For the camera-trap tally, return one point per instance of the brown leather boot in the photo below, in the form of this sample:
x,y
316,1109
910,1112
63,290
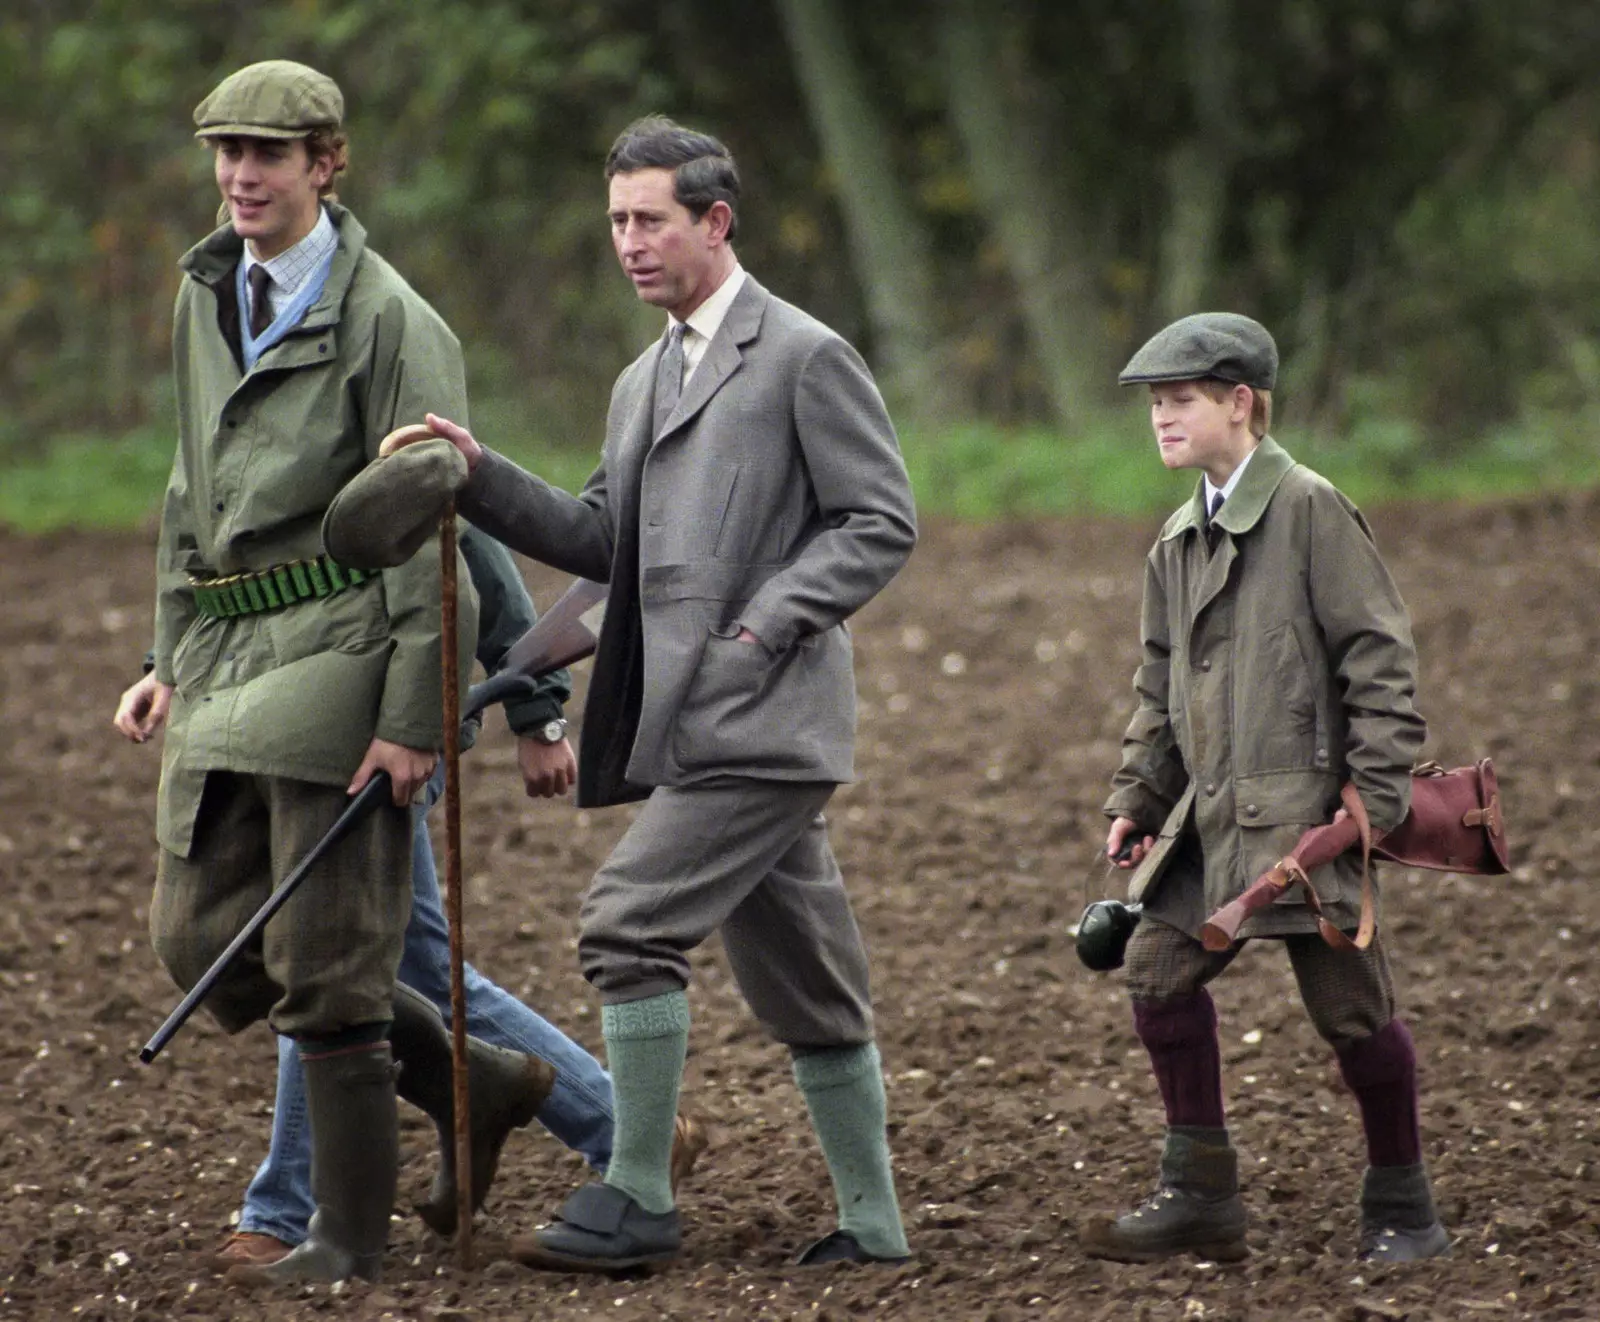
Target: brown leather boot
x,y
355,1162
1196,1209
505,1090
690,1138
249,1248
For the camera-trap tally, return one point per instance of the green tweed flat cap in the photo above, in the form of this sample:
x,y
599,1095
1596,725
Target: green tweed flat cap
x,y
1223,345
272,99
392,506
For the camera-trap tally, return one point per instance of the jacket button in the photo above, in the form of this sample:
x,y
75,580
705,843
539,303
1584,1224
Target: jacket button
x,y
1250,810
220,507
322,348
1206,664
1211,787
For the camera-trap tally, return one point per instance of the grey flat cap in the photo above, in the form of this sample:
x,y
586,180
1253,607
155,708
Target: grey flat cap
x,y
392,506
272,99
1223,345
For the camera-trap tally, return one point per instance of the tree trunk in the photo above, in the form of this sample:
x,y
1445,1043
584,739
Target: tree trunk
x,y
1046,250
1197,169
889,243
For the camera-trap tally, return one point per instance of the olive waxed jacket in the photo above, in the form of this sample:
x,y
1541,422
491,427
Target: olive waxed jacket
x,y
1275,668
298,692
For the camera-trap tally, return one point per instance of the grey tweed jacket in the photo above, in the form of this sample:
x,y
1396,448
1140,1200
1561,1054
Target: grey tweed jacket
x,y
773,498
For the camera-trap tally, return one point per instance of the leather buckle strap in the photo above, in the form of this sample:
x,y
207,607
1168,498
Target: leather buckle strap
x,y
1368,925
1488,817
274,588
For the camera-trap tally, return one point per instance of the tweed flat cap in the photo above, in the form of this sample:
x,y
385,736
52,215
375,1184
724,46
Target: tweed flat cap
x,y
1223,345
392,506
272,99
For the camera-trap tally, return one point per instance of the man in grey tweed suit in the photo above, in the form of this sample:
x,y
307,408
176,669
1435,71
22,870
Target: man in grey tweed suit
x,y
750,497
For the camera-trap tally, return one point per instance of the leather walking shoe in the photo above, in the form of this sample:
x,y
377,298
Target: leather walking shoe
x,y
602,1229
690,1138
841,1246
1196,1209
1399,1222
248,1248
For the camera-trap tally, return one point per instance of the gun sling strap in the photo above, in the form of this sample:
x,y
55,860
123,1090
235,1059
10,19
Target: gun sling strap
x,y
274,588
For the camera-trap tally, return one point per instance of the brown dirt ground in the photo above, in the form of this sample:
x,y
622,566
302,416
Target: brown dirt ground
x,y
994,682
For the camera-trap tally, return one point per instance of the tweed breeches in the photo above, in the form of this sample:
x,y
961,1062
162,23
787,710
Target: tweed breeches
x,y
749,859
326,961
1348,994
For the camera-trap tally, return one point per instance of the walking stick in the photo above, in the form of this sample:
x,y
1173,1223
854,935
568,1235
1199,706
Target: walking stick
x,y
450,672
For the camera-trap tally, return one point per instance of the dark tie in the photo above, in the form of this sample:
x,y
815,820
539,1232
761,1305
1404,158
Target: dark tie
x,y
669,375
1212,531
260,312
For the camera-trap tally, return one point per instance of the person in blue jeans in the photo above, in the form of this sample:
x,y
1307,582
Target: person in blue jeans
x,y
578,1108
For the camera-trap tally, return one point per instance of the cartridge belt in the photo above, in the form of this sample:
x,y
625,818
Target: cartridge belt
x,y
272,589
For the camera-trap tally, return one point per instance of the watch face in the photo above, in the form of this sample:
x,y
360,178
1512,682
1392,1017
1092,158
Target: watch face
x,y
551,731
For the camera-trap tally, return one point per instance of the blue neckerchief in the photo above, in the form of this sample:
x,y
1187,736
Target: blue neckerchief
x,y
287,319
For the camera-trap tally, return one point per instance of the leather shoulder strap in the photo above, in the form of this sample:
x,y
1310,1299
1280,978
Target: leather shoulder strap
x,y
1368,925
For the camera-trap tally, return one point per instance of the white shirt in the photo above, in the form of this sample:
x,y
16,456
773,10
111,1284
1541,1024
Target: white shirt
x,y
292,267
1227,487
703,322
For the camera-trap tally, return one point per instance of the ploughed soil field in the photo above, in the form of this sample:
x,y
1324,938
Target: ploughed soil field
x,y
994,680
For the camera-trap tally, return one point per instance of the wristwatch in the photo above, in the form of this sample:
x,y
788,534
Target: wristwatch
x,y
551,732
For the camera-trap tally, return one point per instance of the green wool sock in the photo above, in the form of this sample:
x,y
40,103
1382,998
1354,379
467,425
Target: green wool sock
x,y
646,1044
843,1087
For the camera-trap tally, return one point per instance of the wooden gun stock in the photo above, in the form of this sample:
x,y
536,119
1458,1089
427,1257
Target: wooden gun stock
x,y
565,633
1221,930
1321,844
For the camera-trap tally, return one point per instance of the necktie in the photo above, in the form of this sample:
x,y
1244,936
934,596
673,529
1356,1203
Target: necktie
x,y
669,376
260,313
1212,531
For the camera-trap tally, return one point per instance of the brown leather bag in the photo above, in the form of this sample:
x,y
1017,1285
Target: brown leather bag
x,y
1455,825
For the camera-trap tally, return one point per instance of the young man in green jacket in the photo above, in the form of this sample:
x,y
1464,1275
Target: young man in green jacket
x,y
287,682
1278,664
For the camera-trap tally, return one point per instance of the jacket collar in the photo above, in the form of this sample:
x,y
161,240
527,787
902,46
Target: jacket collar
x,y
723,357
212,260
1243,509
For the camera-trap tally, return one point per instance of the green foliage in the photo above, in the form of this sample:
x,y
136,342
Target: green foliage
x,y
1408,194
968,472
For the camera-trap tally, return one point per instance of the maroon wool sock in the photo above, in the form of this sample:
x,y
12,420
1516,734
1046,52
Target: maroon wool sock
x,y
1382,1072
1181,1036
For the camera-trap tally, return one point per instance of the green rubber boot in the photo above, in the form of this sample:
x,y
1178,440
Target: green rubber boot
x,y
355,1161
505,1090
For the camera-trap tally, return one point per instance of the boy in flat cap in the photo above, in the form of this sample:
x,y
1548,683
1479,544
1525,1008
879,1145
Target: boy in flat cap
x,y
287,681
1278,664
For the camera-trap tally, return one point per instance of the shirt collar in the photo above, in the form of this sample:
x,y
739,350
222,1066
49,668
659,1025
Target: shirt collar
x,y
291,267
1227,487
708,317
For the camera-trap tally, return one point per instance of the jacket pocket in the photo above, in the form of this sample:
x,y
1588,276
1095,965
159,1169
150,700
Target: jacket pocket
x,y
1285,798
721,720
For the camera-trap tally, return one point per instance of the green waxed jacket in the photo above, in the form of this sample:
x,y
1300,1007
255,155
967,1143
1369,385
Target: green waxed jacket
x,y
1275,668
299,692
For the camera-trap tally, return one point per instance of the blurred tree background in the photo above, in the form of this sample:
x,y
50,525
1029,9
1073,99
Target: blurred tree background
x,y
997,202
